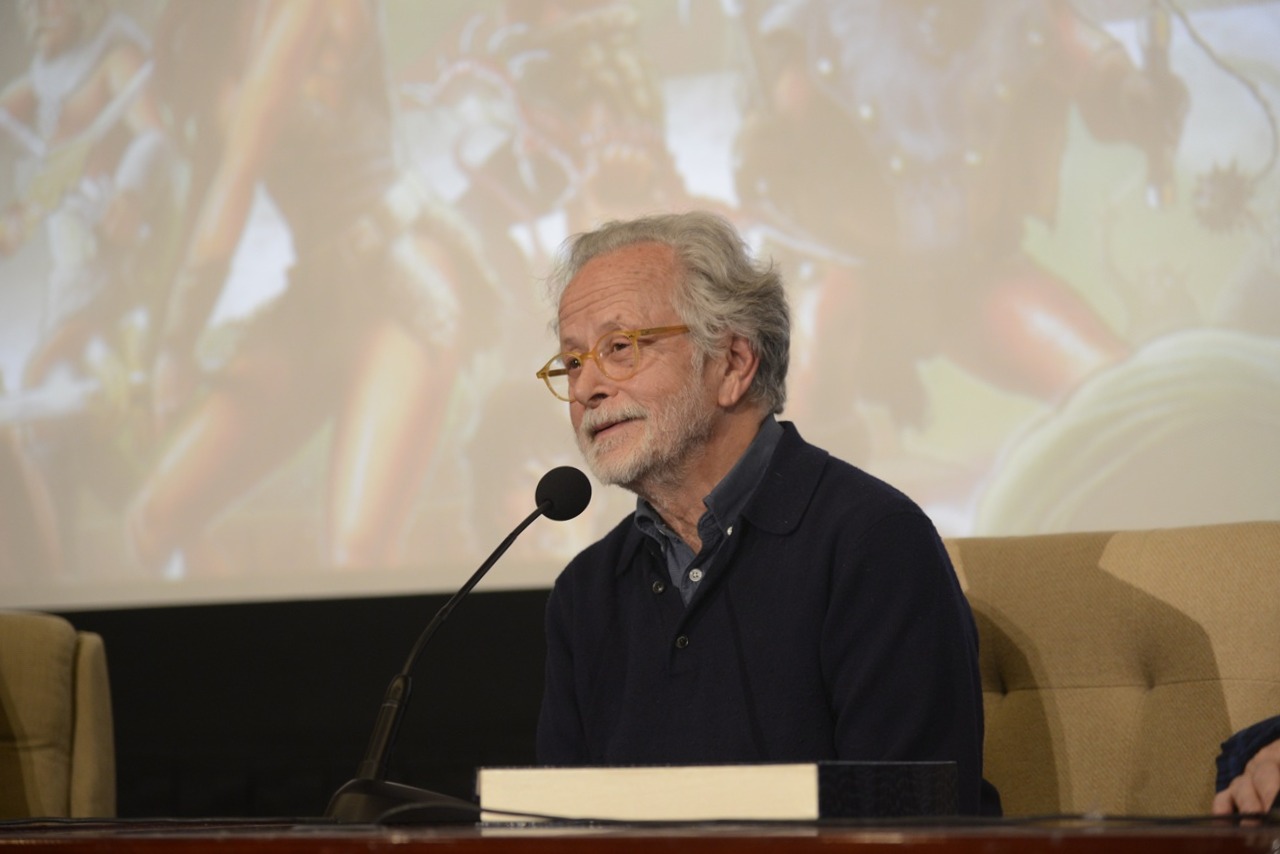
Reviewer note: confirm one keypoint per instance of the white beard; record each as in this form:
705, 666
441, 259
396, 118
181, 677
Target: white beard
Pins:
673, 431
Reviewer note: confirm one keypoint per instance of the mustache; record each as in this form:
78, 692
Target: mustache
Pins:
593, 419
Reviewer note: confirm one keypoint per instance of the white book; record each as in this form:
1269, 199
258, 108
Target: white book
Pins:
748, 792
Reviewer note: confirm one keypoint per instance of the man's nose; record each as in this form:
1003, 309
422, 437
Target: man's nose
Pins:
591, 386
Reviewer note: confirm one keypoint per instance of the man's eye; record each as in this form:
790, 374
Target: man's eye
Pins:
572, 363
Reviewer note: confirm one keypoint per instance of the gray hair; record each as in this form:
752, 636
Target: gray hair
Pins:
723, 290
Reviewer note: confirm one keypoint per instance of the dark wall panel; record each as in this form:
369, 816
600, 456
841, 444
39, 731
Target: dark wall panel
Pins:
264, 709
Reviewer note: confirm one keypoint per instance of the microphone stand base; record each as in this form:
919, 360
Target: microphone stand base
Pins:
365, 801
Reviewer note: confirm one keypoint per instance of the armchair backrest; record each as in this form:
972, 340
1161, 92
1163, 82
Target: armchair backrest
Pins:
1115, 664
57, 753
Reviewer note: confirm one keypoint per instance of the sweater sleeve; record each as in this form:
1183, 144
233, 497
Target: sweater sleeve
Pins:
560, 739
1239, 749
900, 654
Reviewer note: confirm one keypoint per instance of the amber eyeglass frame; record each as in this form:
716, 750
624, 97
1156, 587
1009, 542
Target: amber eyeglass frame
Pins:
548, 372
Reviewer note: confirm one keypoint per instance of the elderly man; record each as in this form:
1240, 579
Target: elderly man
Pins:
765, 602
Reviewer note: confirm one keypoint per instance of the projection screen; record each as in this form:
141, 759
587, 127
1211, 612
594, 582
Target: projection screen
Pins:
271, 274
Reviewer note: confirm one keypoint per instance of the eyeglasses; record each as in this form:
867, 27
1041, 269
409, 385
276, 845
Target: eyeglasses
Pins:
617, 354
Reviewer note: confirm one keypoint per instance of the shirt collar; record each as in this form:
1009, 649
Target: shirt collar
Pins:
727, 499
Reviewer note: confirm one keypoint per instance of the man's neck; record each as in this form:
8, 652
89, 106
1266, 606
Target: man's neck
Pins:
678, 493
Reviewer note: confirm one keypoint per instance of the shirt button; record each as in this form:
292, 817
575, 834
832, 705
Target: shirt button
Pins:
682, 641
658, 587
695, 575
728, 531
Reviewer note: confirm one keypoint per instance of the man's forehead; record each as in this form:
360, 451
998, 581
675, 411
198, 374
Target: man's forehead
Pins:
633, 279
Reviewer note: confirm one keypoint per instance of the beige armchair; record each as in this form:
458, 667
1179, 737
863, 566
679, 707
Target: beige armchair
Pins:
57, 754
1114, 664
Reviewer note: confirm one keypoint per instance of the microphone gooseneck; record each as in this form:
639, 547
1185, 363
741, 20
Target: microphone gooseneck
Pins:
561, 494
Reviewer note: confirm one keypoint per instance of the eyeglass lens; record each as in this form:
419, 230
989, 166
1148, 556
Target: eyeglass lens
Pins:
616, 354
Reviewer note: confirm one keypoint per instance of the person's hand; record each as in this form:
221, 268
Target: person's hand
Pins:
1256, 789
122, 223
13, 230
173, 382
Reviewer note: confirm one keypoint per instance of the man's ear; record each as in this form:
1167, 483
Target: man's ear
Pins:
737, 371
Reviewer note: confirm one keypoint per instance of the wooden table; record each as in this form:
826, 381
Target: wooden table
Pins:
314, 837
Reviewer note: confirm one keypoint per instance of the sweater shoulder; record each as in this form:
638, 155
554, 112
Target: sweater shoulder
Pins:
834, 490
606, 553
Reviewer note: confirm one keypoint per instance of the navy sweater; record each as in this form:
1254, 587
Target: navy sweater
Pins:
830, 626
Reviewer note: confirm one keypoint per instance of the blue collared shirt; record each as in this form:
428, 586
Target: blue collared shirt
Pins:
724, 505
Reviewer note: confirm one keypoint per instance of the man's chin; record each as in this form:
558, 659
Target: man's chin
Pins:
611, 466
609, 475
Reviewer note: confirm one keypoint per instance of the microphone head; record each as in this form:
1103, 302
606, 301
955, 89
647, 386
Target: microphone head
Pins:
565, 490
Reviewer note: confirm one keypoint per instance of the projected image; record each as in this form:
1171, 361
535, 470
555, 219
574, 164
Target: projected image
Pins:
270, 273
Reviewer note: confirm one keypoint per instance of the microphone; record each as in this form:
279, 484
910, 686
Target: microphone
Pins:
561, 494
